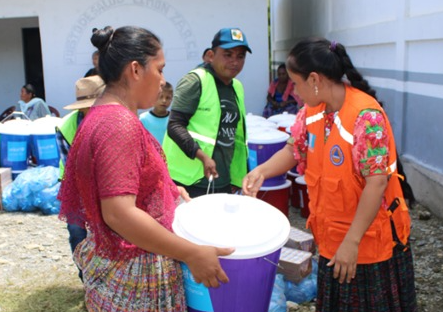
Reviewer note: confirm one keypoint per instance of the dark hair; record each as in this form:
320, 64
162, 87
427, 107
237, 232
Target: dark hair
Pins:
167, 87
121, 46
327, 58
283, 65
29, 88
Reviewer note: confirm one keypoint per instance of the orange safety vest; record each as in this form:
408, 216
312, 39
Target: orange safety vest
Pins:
335, 188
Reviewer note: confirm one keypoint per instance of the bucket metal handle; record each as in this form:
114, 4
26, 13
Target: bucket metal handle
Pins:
211, 181
273, 263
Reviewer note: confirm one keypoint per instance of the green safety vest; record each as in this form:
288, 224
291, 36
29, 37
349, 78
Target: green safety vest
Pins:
203, 128
67, 128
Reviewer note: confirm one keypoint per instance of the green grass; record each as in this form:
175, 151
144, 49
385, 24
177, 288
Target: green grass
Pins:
57, 297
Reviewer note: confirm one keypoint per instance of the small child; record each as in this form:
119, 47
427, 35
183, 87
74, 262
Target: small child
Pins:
156, 120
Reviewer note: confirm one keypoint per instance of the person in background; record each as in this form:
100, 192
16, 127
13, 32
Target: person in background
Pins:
117, 183
33, 107
86, 91
206, 57
343, 142
206, 138
281, 97
94, 70
156, 120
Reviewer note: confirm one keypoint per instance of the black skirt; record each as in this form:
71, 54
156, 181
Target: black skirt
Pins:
379, 287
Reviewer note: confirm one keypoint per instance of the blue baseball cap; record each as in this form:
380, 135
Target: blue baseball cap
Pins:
228, 38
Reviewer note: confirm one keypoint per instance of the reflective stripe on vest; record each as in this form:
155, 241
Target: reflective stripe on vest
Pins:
314, 118
202, 138
348, 137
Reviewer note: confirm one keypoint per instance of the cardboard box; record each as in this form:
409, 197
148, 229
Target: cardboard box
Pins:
301, 240
294, 264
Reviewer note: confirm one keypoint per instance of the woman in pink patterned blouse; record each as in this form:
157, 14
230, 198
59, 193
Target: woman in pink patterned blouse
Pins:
343, 142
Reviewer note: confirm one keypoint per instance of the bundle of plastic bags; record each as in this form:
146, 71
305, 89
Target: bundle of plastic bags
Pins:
284, 290
304, 291
33, 189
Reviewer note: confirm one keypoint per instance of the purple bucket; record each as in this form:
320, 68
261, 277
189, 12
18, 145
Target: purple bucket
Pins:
252, 267
262, 145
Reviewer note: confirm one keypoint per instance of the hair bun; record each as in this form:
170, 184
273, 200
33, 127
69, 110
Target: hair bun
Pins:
102, 37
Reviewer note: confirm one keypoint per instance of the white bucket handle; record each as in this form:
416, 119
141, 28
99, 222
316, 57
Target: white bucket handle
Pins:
15, 113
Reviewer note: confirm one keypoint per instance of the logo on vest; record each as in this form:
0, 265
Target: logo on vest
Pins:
336, 155
311, 141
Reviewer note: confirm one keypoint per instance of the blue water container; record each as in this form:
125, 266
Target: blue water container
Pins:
43, 141
15, 145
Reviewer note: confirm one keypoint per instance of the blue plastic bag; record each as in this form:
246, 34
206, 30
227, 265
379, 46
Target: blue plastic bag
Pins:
33, 189
47, 200
278, 299
10, 203
304, 291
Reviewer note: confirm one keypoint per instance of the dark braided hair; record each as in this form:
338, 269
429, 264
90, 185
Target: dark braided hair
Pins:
328, 58
119, 47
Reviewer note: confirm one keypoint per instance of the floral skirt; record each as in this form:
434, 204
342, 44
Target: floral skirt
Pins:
145, 283
386, 286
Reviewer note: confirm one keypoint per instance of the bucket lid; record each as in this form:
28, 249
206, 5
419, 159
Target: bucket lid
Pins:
283, 116
251, 117
277, 187
45, 125
267, 136
260, 124
16, 127
300, 180
253, 227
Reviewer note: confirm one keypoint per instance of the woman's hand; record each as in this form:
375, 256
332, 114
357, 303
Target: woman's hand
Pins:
345, 261
205, 266
183, 193
252, 183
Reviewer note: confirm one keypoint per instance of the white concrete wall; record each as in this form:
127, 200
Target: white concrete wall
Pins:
185, 27
397, 45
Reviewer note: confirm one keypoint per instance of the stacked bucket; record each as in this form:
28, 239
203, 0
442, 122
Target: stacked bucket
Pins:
265, 138
21, 139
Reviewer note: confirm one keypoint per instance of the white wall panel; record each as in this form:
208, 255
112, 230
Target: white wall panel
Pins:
348, 15
423, 7
425, 56
373, 56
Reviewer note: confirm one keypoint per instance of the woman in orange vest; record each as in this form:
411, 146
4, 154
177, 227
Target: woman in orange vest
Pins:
343, 142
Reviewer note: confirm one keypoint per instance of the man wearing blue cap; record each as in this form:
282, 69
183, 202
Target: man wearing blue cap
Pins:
205, 143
